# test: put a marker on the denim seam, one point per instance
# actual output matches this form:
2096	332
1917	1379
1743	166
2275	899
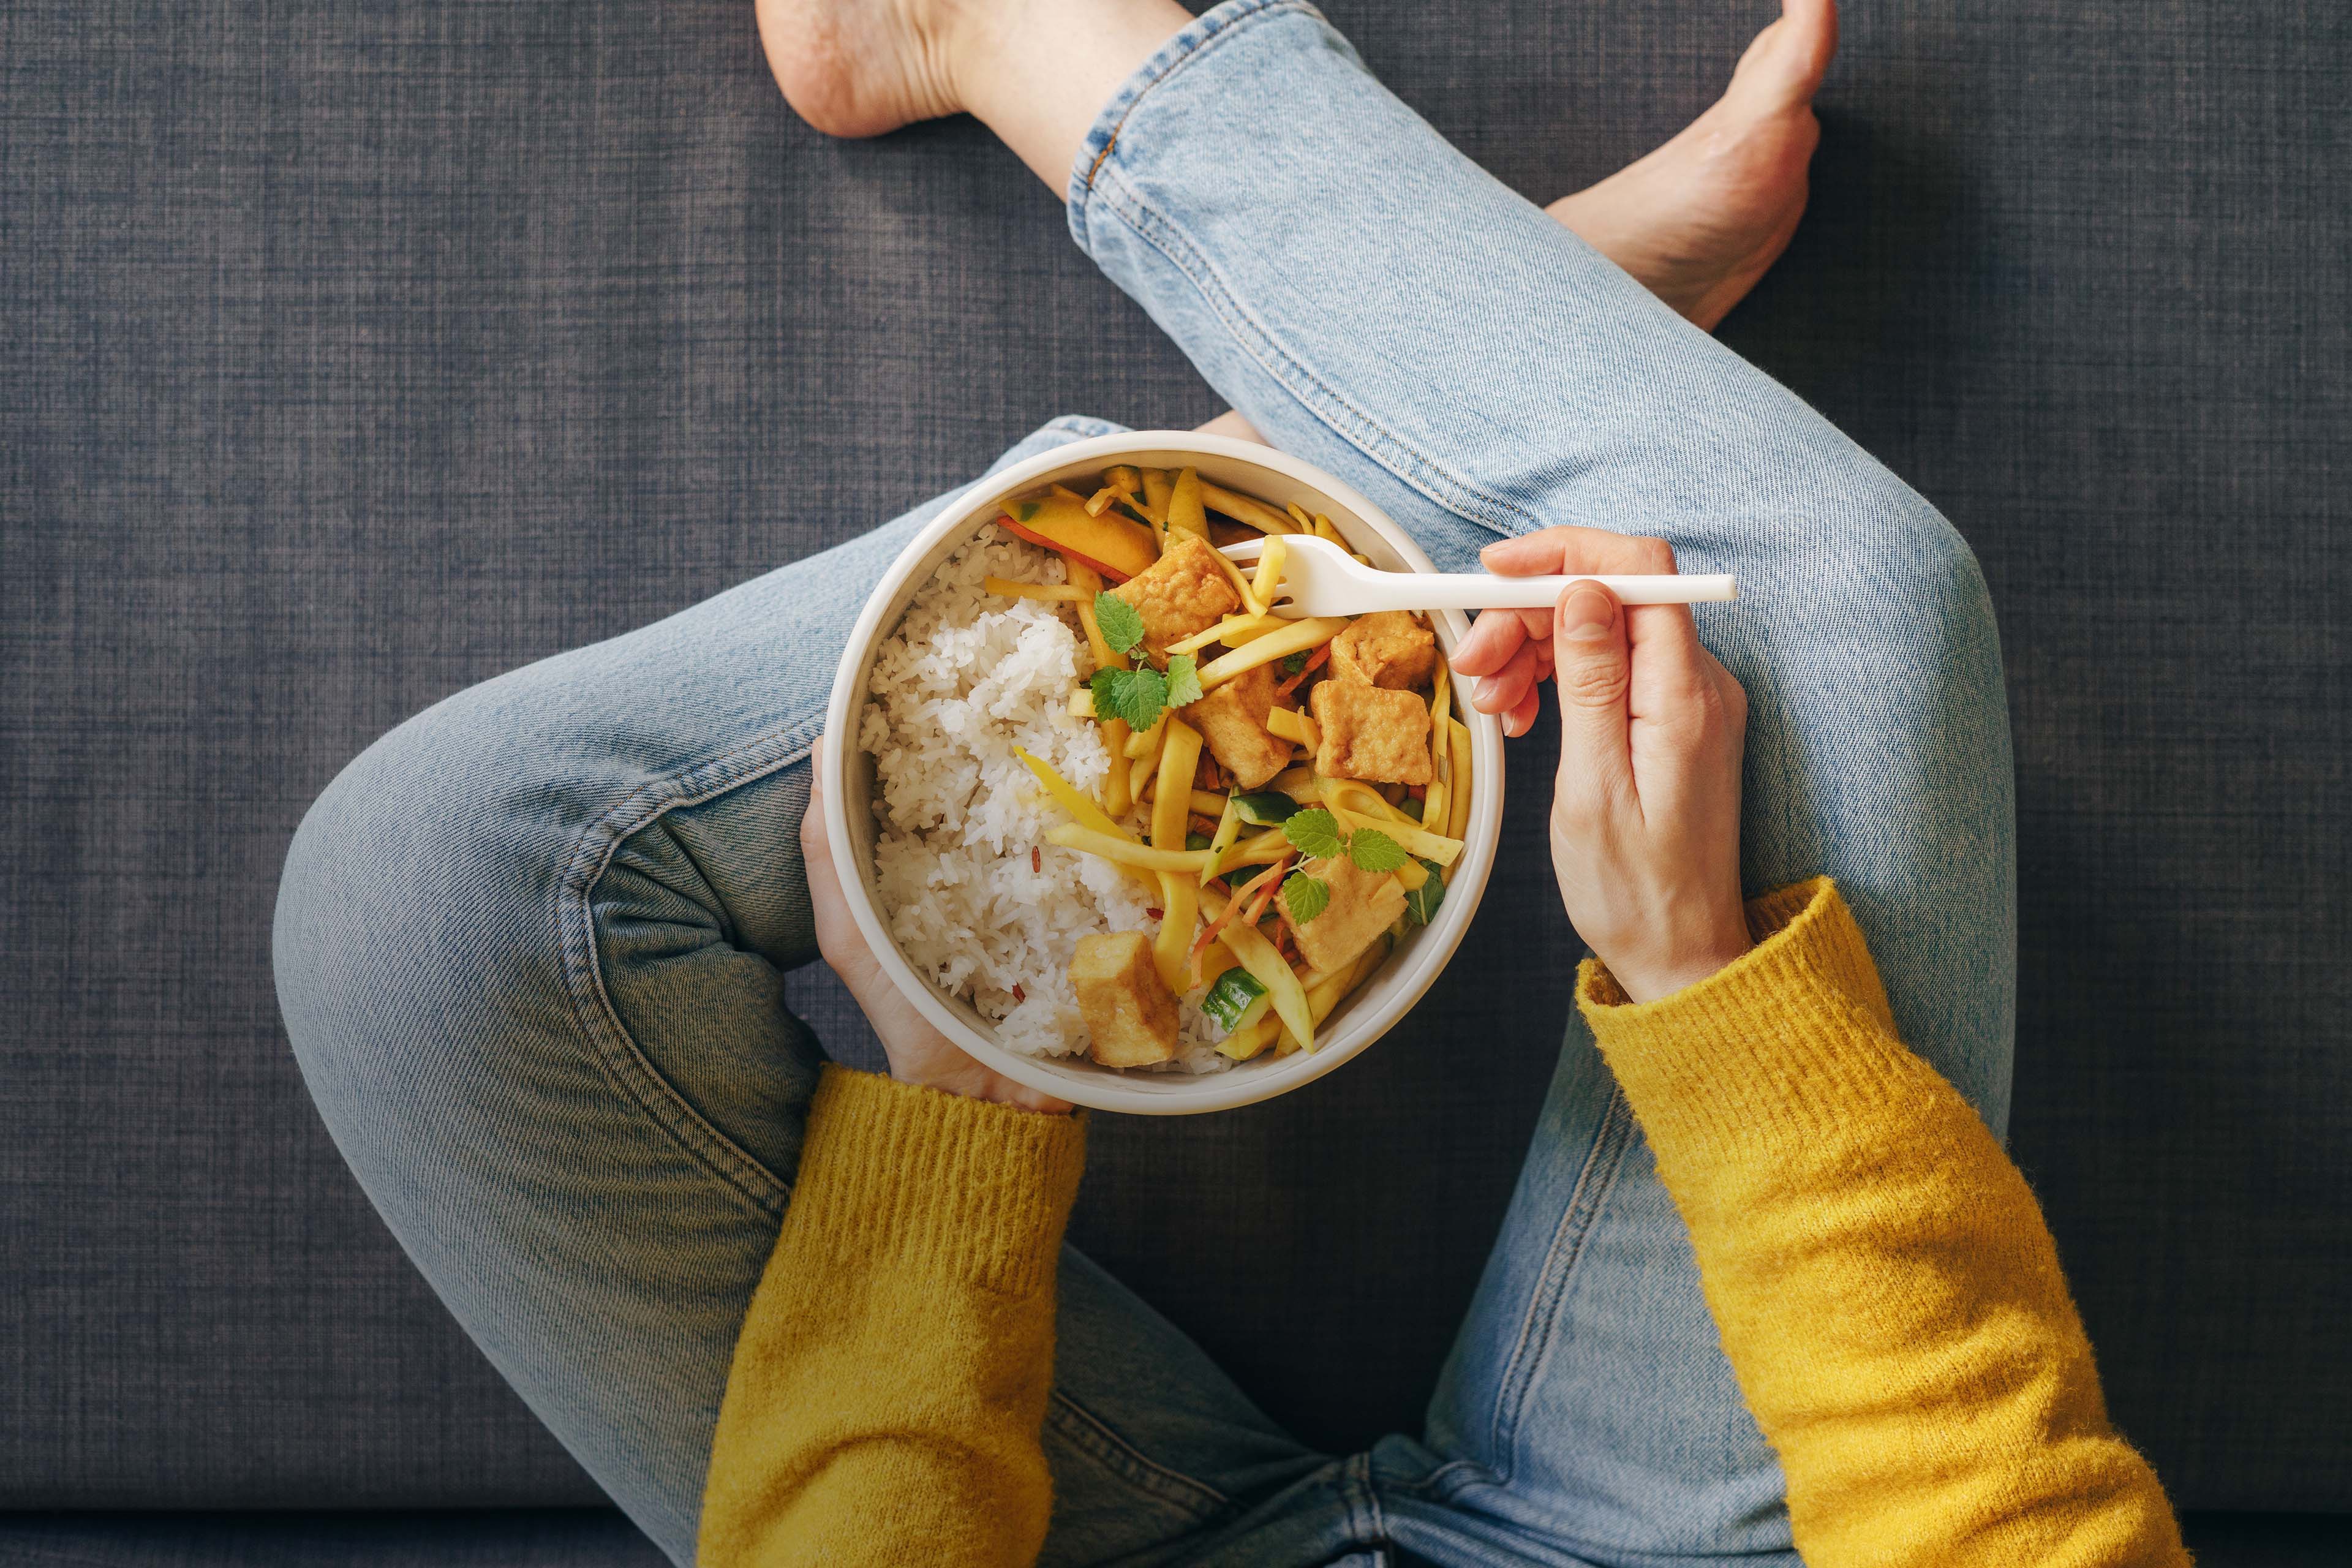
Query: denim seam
1191	41
1533	1343
1094	1436
591	1003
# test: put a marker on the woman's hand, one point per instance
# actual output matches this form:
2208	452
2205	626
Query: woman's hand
1645	811
918	1053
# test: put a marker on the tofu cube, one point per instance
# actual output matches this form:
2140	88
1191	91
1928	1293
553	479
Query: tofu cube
1231	719
1371	733
1388	648
1363	904
1129	1009
1184	592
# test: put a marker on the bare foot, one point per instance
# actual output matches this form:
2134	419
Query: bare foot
860	68
1699	221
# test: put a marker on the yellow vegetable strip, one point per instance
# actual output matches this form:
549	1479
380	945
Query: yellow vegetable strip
1146	742
1251	603
1208	802
1063	593
1356	795
1416	838
1254	627
1328	991
1157	485
1296	638
1074	801
1089	583
1071	798
1258	955
1171	949
1299	783
1100	502
1118	796
1229	828
1293	725
1242	509
1244	1044
1268	583
1299	515
1412	874
1082	702
1458	809
1323	529
1224	630
1127	851
1172	802
1268	845
1184	512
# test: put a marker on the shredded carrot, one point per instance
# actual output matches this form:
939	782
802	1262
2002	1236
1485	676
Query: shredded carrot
1314	662
1036	858
1157	914
1272	873
1019	994
1418	792
1264	896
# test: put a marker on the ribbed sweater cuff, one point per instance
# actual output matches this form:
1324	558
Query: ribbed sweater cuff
1790	1041
962	1190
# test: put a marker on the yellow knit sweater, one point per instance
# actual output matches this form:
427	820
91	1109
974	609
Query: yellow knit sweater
1886	1288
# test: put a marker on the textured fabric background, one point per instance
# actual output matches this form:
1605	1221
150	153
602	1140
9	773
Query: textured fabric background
587	1538
356	353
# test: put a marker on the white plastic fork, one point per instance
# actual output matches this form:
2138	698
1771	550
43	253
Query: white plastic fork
1318	578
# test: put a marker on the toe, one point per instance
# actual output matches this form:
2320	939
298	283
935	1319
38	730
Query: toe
1783	68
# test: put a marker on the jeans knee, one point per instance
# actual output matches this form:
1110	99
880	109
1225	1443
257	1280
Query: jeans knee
414	884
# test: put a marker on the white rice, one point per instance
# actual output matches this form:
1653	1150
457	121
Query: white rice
966	677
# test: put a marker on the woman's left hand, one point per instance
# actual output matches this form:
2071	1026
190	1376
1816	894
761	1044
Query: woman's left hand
918	1053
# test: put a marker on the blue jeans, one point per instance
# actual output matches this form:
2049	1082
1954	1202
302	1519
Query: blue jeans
531	945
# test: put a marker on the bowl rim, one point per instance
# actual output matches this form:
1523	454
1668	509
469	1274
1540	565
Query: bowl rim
1078	1079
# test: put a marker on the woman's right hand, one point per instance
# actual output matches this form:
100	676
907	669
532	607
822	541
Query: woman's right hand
1645	809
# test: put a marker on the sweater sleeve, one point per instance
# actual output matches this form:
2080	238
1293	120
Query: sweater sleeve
1886	1288
889	1383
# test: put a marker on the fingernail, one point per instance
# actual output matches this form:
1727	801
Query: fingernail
1587	612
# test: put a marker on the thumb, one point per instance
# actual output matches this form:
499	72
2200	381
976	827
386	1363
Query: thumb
1595	673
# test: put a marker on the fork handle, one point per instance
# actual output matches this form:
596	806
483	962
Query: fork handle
1481	591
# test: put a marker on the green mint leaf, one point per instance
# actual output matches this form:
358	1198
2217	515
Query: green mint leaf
1315	833
1022	511
1268	808
1421	904
1183	679
1374	850
1139	698
1305	897
1122	623
1292	663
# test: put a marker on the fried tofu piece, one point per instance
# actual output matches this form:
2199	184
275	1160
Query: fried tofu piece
1363	904
1231	719
1387	648
1184	592
1371	733
1129	1009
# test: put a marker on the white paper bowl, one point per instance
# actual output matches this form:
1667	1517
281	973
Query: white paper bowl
850	825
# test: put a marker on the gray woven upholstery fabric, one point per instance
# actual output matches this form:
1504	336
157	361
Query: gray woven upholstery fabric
350	354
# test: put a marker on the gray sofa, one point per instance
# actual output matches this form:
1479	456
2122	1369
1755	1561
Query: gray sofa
355	353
